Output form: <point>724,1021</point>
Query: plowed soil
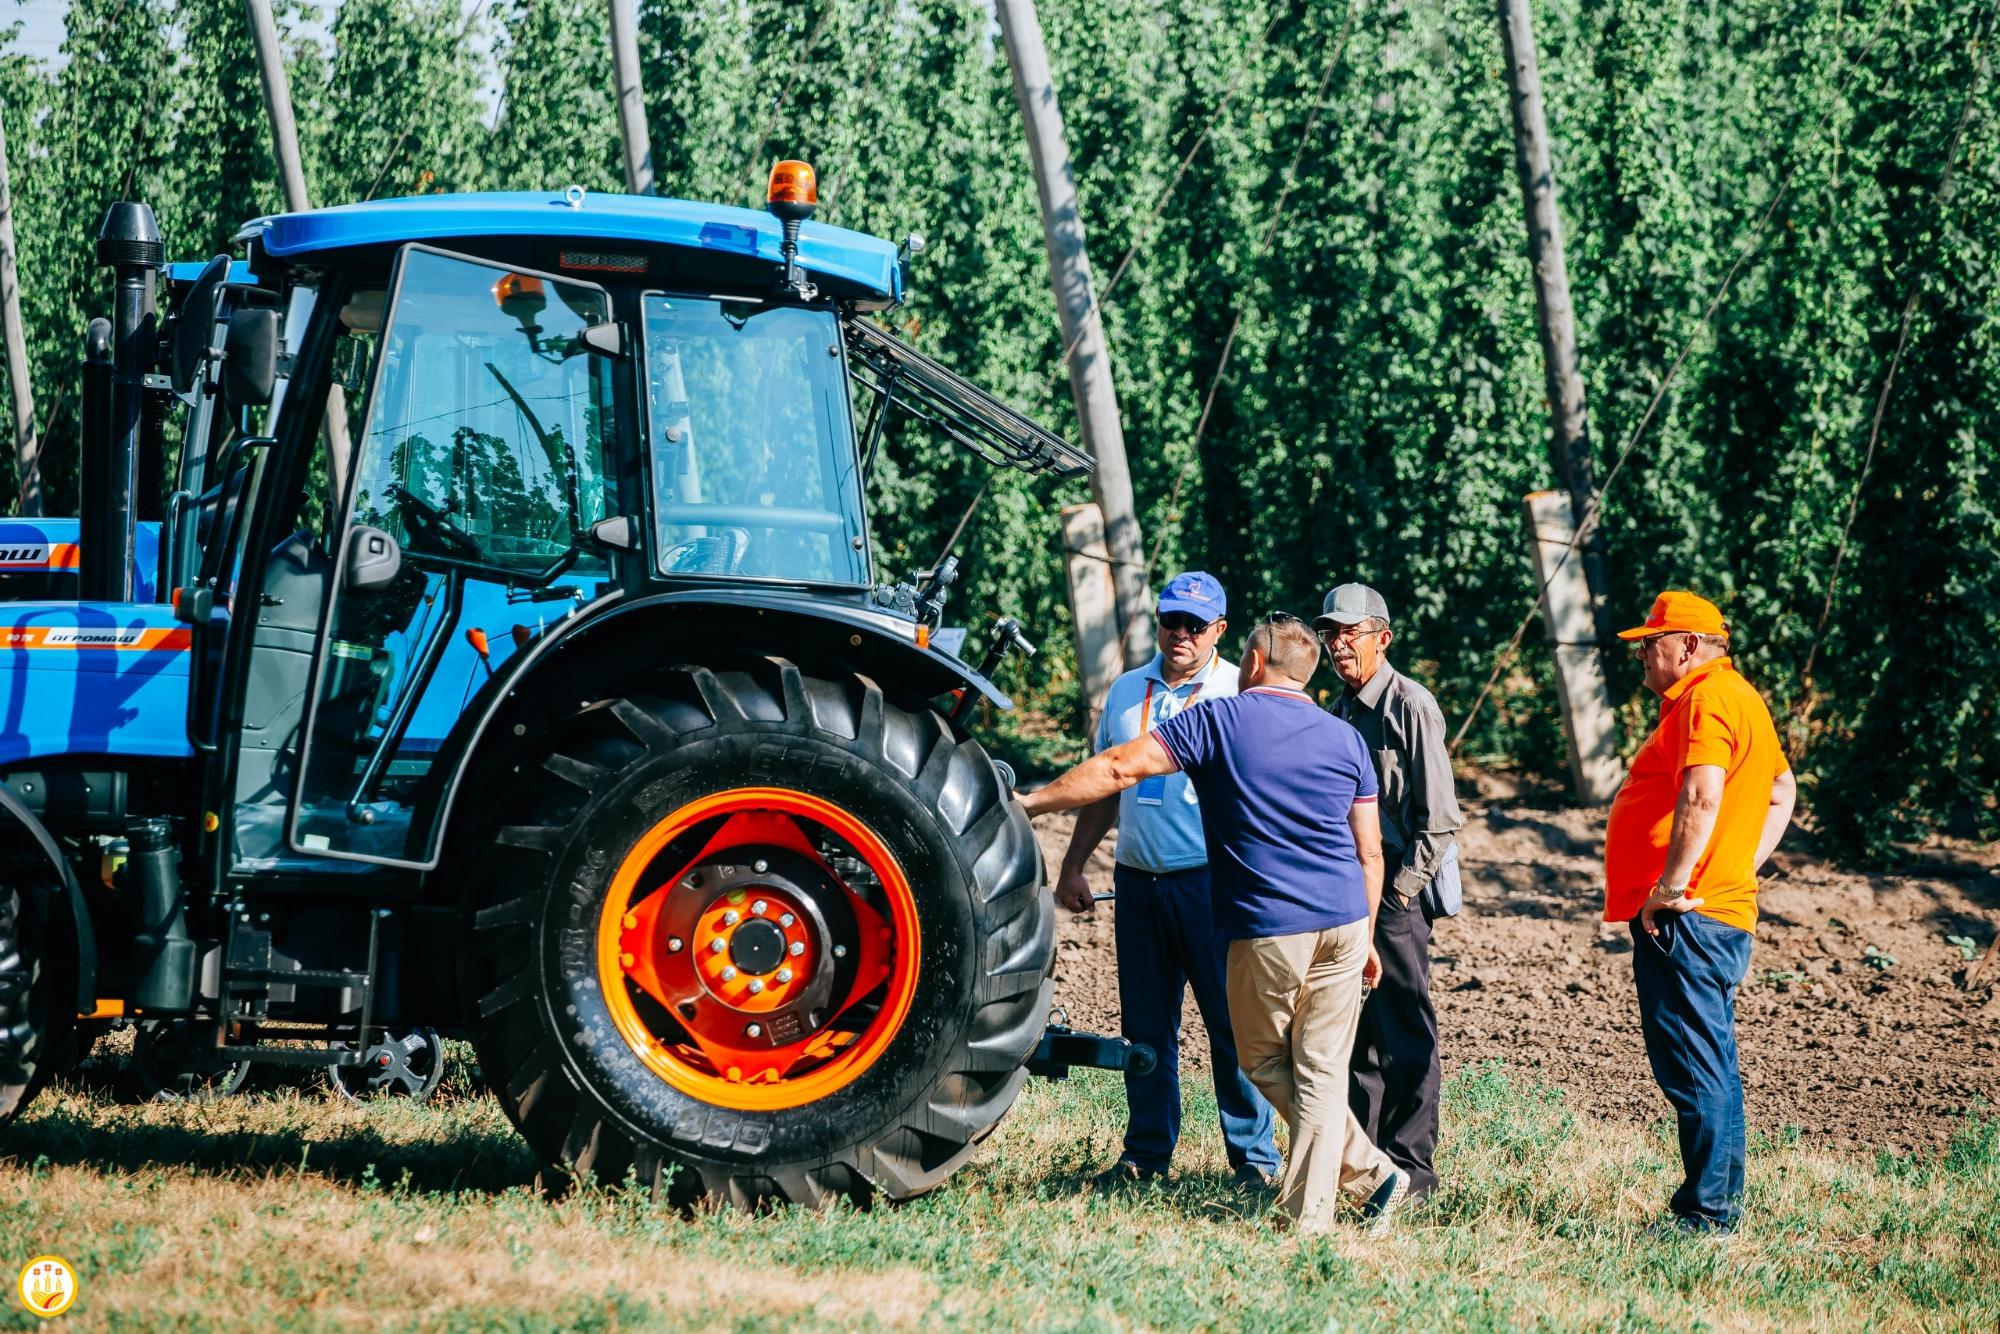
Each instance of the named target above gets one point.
<point>1861,1025</point>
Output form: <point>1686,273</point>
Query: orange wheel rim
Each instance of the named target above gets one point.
<point>750,970</point>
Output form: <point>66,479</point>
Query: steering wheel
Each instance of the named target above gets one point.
<point>431,526</point>
<point>721,552</point>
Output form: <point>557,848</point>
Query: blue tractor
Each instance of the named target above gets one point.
<point>505,655</point>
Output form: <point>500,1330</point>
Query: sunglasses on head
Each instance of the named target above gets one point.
<point>1281,618</point>
<point>1184,622</point>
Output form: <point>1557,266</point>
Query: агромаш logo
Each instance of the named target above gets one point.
<point>47,1285</point>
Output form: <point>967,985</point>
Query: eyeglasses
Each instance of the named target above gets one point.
<point>1281,618</point>
<point>1349,634</point>
<point>1184,623</point>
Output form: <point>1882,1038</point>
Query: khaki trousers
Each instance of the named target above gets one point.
<point>1294,1003</point>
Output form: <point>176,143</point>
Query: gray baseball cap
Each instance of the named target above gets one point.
<point>1351,603</point>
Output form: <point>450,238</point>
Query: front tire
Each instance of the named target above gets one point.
<point>37,1002</point>
<point>765,927</point>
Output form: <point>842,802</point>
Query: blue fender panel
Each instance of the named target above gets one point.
<point>83,678</point>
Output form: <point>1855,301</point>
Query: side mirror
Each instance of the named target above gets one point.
<point>194,327</point>
<point>606,340</point>
<point>250,375</point>
<point>615,533</point>
<point>373,558</point>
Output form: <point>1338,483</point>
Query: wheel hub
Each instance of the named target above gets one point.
<point>758,946</point>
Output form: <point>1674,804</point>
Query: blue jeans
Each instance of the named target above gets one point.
<point>1687,978</point>
<point>1167,942</point>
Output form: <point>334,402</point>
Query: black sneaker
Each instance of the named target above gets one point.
<point>1678,1227</point>
<point>1252,1177</point>
<point>1125,1173</point>
<point>1382,1206</point>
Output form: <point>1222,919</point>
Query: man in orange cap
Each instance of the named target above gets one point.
<point>1706,800</point>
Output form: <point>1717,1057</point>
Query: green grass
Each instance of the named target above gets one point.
<point>285,1209</point>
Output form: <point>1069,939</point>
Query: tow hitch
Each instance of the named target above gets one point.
<point>1062,1047</point>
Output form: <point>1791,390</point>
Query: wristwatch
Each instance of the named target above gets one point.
<point>1671,891</point>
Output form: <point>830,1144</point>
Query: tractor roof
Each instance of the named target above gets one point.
<point>852,258</point>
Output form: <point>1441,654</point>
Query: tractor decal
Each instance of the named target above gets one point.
<point>38,556</point>
<point>177,639</point>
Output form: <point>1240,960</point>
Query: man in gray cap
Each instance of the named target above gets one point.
<point>1393,1077</point>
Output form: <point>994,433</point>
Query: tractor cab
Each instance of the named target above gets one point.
<point>483,417</point>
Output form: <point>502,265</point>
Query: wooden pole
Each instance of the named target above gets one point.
<point>1082,323</point>
<point>1569,439</point>
<point>631,98</point>
<point>1588,720</point>
<point>20,390</point>
<point>1093,605</point>
<point>292,175</point>
<point>278,105</point>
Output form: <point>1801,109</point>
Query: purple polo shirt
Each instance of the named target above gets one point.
<point>1277,776</point>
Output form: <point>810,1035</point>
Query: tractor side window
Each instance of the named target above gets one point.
<point>753,461</point>
<point>487,435</point>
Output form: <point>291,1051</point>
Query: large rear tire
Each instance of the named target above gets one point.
<point>37,1002</point>
<point>766,927</point>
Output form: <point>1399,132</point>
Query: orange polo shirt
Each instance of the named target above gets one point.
<point>1710,716</point>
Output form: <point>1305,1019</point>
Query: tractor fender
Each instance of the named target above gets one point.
<point>872,642</point>
<point>68,900</point>
<point>608,637</point>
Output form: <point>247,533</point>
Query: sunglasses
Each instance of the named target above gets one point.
<point>1349,634</point>
<point>1184,623</point>
<point>1282,618</point>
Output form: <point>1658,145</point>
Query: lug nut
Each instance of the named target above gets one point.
<point>753,1030</point>
<point>840,951</point>
<point>784,974</point>
<point>786,919</point>
<point>728,973</point>
<point>760,866</point>
<point>758,907</point>
<point>716,946</point>
<point>798,948</point>
<point>732,917</point>
<point>756,986</point>
<point>674,944</point>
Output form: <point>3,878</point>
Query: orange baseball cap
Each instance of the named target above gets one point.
<point>1678,611</point>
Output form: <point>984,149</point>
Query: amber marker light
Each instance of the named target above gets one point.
<point>794,185</point>
<point>793,193</point>
<point>520,296</point>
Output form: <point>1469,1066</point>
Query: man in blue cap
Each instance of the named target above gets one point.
<point>1164,930</point>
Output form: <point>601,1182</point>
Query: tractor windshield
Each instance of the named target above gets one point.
<point>754,466</point>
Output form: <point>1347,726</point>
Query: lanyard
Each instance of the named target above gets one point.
<point>1146,709</point>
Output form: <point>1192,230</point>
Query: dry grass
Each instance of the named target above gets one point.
<point>284,1209</point>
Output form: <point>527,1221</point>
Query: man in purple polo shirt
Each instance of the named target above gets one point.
<point>1295,861</point>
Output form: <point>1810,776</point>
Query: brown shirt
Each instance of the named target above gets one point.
<point>1404,729</point>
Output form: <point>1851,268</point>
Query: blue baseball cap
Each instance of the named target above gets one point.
<point>1197,593</point>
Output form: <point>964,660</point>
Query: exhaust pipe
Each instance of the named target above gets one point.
<point>129,243</point>
<point>96,540</point>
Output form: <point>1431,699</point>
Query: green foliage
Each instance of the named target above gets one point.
<point>1382,412</point>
